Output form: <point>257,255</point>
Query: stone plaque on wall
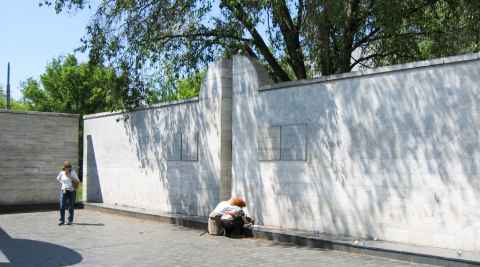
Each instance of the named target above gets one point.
<point>268,143</point>
<point>174,146</point>
<point>190,146</point>
<point>293,142</point>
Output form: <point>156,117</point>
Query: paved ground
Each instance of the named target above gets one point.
<point>100,239</point>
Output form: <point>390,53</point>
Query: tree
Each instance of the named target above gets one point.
<point>17,105</point>
<point>294,39</point>
<point>35,97</point>
<point>186,88</point>
<point>14,104</point>
<point>70,87</point>
<point>2,97</point>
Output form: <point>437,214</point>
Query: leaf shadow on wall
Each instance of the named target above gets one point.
<point>389,158</point>
<point>187,186</point>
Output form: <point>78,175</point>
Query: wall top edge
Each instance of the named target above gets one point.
<point>380,70</point>
<point>155,106</point>
<point>38,113</point>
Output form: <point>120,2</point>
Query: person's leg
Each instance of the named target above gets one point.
<point>71,205</point>
<point>218,222</point>
<point>63,198</point>
<point>247,230</point>
<point>228,227</point>
<point>237,227</point>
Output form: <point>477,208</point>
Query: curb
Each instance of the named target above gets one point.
<point>177,219</point>
<point>285,236</point>
<point>346,246</point>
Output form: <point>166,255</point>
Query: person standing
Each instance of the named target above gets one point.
<point>68,180</point>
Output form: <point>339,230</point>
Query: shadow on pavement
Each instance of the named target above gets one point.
<point>24,252</point>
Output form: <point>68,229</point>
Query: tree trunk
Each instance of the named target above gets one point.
<point>291,37</point>
<point>350,28</point>
<point>240,14</point>
<point>326,62</point>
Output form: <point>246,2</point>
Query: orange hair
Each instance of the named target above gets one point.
<point>236,201</point>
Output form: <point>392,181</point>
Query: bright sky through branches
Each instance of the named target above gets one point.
<point>31,36</point>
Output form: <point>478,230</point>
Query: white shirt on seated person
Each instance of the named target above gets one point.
<point>225,207</point>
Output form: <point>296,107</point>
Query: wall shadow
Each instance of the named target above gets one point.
<point>94,189</point>
<point>24,252</point>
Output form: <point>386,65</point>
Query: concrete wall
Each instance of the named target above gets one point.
<point>167,158</point>
<point>392,153</point>
<point>33,146</point>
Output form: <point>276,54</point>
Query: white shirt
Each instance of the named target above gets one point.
<point>66,181</point>
<point>225,206</point>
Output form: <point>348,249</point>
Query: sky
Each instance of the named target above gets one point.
<point>31,36</point>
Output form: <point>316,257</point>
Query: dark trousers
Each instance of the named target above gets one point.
<point>232,227</point>
<point>67,201</point>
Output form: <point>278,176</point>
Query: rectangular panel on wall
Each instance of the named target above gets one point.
<point>293,142</point>
<point>174,146</point>
<point>268,143</point>
<point>190,146</point>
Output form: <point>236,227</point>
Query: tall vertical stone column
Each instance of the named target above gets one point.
<point>226,131</point>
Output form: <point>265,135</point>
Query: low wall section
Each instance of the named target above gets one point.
<point>167,158</point>
<point>33,146</point>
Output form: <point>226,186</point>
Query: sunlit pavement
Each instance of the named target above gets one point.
<point>101,239</point>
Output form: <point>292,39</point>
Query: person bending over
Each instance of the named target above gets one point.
<point>232,216</point>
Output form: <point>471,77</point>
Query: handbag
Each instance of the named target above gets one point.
<point>75,184</point>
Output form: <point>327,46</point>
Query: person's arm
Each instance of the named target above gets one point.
<point>246,218</point>
<point>245,211</point>
<point>59,176</point>
<point>75,176</point>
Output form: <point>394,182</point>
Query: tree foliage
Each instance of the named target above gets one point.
<point>173,90</point>
<point>70,87</point>
<point>2,97</point>
<point>15,105</point>
<point>295,39</point>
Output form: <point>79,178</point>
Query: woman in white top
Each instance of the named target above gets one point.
<point>68,179</point>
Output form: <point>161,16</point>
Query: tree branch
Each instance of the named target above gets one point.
<point>301,6</point>
<point>249,51</point>
<point>366,38</point>
<point>352,22</point>
<point>362,59</point>
<point>240,14</point>
<point>204,34</point>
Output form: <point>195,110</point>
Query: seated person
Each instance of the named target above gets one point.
<point>232,217</point>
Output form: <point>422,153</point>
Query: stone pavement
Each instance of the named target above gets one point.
<point>101,239</point>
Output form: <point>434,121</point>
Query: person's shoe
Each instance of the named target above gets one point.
<point>69,223</point>
<point>61,223</point>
